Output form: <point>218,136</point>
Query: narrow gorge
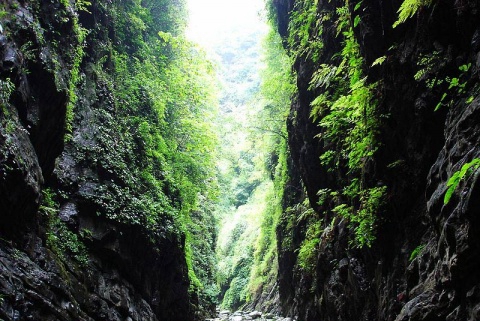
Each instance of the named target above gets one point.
<point>321,164</point>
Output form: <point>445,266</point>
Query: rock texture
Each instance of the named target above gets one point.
<point>426,147</point>
<point>114,270</point>
<point>36,115</point>
<point>243,315</point>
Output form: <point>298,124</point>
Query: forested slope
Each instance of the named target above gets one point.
<point>384,139</point>
<point>107,174</point>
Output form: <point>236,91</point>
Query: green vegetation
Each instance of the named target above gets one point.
<point>451,87</point>
<point>453,182</point>
<point>60,239</point>
<point>141,105</point>
<point>252,166</point>
<point>242,183</point>
<point>305,29</point>
<point>276,90</point>
<point>236,248</point>
<point>416,252</point>
<point>308,252</point>
<point>6,89</point>
<point>456,86</point>
<point>167,158</point>
<point>163,162</point>
<point>345,109</point>
<point>409,8</point>
<point>263,275</point>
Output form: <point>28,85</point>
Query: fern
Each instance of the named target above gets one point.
<point>82,5</point>
<point>379,61</point>
<point>345,109</point>
<point>323,76</point>
<point>6,89</point>
<point>318,106</point>
<point>409,8</point>
<point>416,252</point>
<point>453,182</point>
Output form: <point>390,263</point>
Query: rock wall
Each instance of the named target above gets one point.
<point>420,149</point>
<point>77,264</point>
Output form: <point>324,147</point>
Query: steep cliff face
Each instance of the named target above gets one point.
<point>424,261</point>
<point>64,176</point>
<point>36,115</point>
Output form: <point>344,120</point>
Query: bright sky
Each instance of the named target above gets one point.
<point>211,20</point>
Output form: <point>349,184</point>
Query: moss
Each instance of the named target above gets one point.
<point>59,238</point>
<point>308,251</point>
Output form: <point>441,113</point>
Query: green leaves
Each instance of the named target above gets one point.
<point>362,219</point>
<point>416,252</point>
<point>345,109</point>
<point>457,85</point>
<point>59,238</point>
<point>379,61</point>
<point>437,107</point>
<point>253,171</point>
<point>6,89</point>
<point>156,143</point>
<point>308,252</point>
<point>305,28</point>
<point>82,5</point>
<point>356,21</point>
<point>465,68</point>
<point>458,176</point>
<point>409,8</point>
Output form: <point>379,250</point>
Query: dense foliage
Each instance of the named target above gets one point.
<point>344,107</point>
<point>253,167</point>
<point>151,148</point>
<point>345,110</point>
<point>164,101</point>
<point>242,182</point>
<point>142,102</point>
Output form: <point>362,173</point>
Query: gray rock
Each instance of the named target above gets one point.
<point>68,213</point>
<point>255,314</point>
<point>224,314</point>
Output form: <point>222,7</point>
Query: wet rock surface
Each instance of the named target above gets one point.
<point>49,289</point>
<point>123,279</point>
<point>38,285</point>
<point>123,272</point>
<point>386,282</point>
<point>226,315</point>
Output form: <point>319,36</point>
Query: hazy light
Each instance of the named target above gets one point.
<point>212,20</point>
